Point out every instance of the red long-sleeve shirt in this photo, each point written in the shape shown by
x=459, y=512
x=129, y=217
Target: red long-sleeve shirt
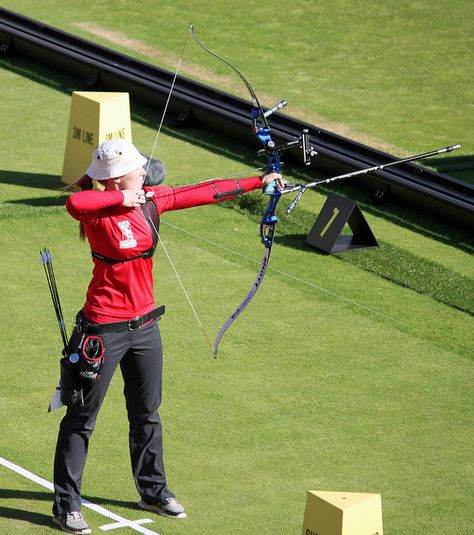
x=125, y=290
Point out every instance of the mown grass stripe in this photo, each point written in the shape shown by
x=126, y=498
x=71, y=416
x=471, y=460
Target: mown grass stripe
x=284, y=273
x=389, y=261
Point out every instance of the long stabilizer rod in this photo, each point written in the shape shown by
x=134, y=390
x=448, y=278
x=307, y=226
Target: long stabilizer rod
x=301, y=188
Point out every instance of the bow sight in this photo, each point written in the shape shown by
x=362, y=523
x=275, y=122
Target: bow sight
x=271, y=147
x=302, y=142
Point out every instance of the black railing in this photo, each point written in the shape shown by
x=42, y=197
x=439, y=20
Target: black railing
x=408, y=183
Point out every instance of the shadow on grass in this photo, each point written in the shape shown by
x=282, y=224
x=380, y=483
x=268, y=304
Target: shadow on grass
x=296, y=241
x=460, y=167
x=110, y=501
x=41, y=74
x=39, y=519
x=31, y=180
x=27, y=516
x=38, y=201
x=15, y=494
x=46, y=520
x=32, y=205
x=419, y=221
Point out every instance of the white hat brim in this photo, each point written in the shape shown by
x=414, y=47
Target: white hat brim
x=105, y=169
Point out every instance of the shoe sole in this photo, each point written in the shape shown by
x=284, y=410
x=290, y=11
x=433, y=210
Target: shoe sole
x=158, y=511
x=67, y=530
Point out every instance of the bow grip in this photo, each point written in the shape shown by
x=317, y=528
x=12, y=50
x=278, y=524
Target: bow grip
x=269, y=220
x=271, y=189
x=274, y=166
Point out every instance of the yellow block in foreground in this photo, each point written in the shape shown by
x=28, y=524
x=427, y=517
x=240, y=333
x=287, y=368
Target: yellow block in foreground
x=96, y=116
x=342, y=513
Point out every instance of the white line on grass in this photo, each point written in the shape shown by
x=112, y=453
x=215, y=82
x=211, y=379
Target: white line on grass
x=284, y=273
x=120, y=522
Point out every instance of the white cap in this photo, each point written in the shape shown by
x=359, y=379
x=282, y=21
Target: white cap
x=114, y=158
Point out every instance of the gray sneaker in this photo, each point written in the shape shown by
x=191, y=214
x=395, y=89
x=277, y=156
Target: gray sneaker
x=72, y=522
x=170, y=507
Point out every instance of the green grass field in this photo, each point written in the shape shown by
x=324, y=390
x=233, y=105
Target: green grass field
x=349, y=372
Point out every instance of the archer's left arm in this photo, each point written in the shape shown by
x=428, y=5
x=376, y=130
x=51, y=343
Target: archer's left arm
x=170, y=198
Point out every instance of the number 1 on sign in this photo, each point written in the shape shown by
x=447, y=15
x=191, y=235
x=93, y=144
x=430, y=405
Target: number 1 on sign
x=335, y=213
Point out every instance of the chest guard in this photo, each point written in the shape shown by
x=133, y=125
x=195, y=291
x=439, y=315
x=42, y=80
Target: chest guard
x=152, y=217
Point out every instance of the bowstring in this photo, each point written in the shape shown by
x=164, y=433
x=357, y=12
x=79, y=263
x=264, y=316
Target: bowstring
x=160, y=126
x=146, y=173
x=160, y=240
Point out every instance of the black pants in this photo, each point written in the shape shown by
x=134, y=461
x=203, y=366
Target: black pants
x=139, y=354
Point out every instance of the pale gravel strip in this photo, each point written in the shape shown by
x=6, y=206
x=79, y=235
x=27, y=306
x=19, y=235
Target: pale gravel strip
x=233, y=86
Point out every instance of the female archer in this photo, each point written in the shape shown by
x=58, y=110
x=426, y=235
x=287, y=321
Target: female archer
x=118, y=323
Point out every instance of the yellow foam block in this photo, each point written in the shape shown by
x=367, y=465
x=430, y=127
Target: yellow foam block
x=95, y=117
x=342, y=513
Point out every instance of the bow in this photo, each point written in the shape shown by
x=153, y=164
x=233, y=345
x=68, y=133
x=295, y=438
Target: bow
x=272, y=150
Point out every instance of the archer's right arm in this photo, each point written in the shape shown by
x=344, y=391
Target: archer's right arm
x=85, y=205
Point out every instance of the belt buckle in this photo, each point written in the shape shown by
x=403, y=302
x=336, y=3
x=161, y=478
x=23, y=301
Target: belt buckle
x=134, y=324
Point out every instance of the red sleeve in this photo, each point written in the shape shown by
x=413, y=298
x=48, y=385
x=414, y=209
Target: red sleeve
x=85, y=205
x=169, y=198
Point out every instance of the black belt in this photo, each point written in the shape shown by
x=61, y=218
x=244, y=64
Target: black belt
x=82, y=325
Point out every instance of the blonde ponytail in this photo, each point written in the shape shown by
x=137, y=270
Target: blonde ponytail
x=84, y=183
